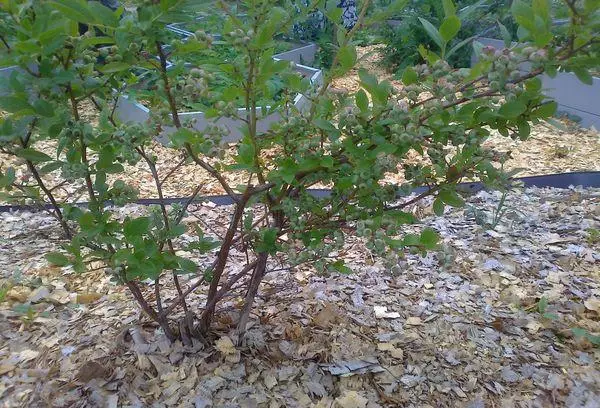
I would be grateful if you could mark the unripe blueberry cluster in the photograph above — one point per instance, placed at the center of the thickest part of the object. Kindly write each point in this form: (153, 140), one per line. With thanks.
(227, 109)
(74, 130)
(211, 145)
(412, 92)
(195, 85)
(110, 54)
(202, 37)
(386, 162)
(535, 55)
(73, 171)
(440, 69)
(504, 73)
(239, 36)
(436, 153)
(401, 136)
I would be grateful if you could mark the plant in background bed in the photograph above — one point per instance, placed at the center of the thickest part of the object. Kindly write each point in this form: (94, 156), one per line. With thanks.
(349, 142)
(403, 42)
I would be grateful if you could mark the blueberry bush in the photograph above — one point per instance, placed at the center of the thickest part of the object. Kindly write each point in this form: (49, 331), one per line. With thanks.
(348, 142)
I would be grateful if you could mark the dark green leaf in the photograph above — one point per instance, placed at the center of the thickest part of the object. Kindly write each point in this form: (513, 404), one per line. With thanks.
(112, 67)
(57, 259)
(187, 265)
(268, 241)
(76, 10)
(458, 46)
(347, 57)
(432, 32)
(7, 178)
(43, 108)
(362, 101)
(136, 227)
(506, 35)
(33, 155)
(524, 129)
(584, 76)
(50, 167)
(545, 111)
(341, 267)
(451, 198)
(512, 109)
(14, 104)
(429, 238)
(438, 207)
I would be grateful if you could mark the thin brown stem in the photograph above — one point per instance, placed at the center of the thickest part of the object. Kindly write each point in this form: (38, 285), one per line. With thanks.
(257, 276)
(36, 175)
(137, 294)
(222, 260)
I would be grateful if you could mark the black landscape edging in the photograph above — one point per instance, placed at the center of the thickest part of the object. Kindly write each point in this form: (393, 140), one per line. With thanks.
(588, 179)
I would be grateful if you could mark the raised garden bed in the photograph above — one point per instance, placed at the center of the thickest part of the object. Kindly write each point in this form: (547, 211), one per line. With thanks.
(129, 110)
(573, 96)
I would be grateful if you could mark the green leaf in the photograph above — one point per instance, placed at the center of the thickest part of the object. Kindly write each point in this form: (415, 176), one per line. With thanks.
(105, 158)
(512, 109)
(449, 28)
(57, 259)
(524, 129)
(334, 14)
(102, 14)
(182, 136)
(523, 14)
(506, 35)
(50, 167)
(187, 265)
(409, 76)
(76, 10)
(136, 227)
(411, 240)
(327, 127)
(432, 32)
(33, 155)
(341, 267)
(246, 152)
(449, 8)
(438, 207)
(367, 80)
(204, 245)
(579, 332)
(543, 304)
(112, 67)
(347, 57)
(584, 76)
(7, 178)
(545, 110)
(43, 108)
(429, 238)
(451, 198)
(533, 84)
(268, 241)
(428, 55)
(327, 162)
(14, 104)
(362, 101)
(458, 46)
